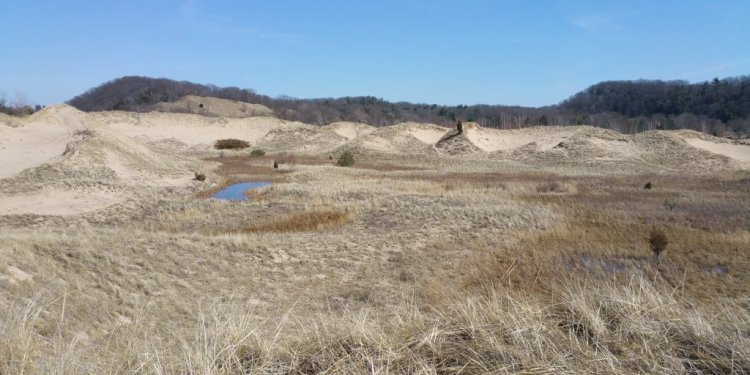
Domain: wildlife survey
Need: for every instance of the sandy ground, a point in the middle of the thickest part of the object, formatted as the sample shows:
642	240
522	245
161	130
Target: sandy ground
57	202
740	152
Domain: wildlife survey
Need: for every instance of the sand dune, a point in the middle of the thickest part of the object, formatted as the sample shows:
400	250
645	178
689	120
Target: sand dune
46	162
214	107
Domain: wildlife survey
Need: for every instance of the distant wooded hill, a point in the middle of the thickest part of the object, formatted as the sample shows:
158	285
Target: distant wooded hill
721	107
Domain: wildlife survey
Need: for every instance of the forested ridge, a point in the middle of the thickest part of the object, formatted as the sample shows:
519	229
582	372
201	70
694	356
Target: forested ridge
721	107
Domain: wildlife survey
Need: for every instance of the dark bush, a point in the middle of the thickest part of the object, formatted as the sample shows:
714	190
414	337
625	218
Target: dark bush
200	176
257	152
346	159
275	165
658	241
648	186
231	144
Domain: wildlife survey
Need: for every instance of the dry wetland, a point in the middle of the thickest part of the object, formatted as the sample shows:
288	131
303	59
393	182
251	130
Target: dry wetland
523	251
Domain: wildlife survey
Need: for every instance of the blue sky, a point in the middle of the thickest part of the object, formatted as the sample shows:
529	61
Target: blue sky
441	51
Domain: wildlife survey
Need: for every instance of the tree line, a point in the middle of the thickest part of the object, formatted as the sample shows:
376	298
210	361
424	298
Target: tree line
721	107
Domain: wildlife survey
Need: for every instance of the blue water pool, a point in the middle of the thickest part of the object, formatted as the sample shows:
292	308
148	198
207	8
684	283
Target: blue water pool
236	192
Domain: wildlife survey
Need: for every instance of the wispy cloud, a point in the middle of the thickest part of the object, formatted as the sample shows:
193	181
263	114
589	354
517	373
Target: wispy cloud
591	22
280	36
195	16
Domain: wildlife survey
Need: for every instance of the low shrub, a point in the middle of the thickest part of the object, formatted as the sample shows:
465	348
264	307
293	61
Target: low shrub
658	242
648	186
231	144
200	176
346	159
257	152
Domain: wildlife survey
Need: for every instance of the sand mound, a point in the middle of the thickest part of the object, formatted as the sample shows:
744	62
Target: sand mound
38	138
208	106
403	138
455	143
301	139
349	130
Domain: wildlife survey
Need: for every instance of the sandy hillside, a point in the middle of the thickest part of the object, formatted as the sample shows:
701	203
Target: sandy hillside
214	107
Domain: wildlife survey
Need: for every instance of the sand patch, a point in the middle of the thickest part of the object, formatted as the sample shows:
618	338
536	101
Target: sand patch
491	140
349	130
429	136
57	202
734	151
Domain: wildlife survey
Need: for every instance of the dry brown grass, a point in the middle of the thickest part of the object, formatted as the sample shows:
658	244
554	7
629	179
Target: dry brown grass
303	221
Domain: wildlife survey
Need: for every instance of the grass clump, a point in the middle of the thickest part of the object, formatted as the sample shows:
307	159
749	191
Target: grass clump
200	176
303	221
551	187
231	144
346	159
257	152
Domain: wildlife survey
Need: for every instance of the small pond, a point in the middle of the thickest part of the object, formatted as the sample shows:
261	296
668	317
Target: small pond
236	192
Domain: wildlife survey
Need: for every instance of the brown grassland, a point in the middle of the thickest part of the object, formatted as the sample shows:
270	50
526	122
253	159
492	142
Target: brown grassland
469	267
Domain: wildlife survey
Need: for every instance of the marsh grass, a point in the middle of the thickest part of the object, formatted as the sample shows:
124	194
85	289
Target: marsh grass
318	219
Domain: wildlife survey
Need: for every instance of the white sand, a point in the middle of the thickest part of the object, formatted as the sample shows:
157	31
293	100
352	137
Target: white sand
738	152
429	136
56	202
38	139
349	130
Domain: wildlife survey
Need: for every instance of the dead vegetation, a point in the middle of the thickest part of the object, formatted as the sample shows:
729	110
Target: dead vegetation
320	219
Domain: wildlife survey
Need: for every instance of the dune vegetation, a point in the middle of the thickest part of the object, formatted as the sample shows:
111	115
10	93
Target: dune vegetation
523	251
